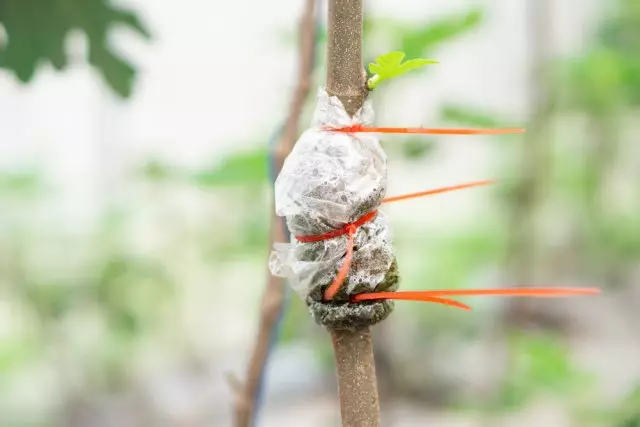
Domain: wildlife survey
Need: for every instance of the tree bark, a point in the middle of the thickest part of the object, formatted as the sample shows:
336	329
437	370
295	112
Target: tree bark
357	384
346	79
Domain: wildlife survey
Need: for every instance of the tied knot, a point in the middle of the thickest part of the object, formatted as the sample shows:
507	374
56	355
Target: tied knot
350	231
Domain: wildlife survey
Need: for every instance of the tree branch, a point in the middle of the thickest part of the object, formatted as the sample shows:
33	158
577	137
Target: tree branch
273	296
346	79
357	383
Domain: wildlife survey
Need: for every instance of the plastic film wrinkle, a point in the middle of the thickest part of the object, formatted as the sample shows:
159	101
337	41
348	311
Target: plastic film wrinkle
329	190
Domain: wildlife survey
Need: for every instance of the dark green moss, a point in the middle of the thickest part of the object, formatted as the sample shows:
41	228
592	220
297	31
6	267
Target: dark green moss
308	223
340	313
377	261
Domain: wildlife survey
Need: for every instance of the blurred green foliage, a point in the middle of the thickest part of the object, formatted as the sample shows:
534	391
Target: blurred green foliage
604	85
16	352
48	288
469	116
243	168
20	183
593	83
608	74
628	413
129	291
419	39
37	32
540	364
415	39
620	34
130	310
417	148
240	169
157	171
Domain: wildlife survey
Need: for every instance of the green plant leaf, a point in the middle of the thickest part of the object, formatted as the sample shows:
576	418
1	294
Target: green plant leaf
37	35
390	65
248	168
414	41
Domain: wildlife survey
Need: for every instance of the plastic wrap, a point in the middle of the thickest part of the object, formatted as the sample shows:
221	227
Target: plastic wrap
331	179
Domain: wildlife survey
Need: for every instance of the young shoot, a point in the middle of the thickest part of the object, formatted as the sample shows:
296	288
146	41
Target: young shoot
390	65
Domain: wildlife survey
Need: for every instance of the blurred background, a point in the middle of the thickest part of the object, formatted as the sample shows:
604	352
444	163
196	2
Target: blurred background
135	206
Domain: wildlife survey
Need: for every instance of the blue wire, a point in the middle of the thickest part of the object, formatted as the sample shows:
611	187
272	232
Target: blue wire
277	331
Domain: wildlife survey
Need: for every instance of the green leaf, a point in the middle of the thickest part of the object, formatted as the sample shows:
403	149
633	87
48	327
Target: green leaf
131	20
116	72
390	65
247	168
37	36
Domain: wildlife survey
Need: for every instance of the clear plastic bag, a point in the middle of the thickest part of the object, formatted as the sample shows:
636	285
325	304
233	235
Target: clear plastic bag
331	179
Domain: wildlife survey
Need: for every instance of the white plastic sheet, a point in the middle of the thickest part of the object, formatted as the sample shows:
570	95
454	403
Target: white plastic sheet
331	179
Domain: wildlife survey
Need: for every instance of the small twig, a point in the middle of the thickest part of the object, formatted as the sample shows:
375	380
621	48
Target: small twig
272	298
346	79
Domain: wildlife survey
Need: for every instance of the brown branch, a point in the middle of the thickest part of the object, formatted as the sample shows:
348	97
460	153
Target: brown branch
346	77
305	71
357	383
272	298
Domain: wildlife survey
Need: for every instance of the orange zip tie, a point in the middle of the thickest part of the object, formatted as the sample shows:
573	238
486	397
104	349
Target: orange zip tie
425	131
443	301
350	231
433	295
333	289
438	190
429	296
337	233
